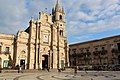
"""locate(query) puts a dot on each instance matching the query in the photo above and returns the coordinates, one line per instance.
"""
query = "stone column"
(29, 43)
(58, 47)
(39, 46)
(36, 37)
(49, 59)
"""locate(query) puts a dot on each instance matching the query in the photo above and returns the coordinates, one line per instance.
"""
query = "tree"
(10, 62)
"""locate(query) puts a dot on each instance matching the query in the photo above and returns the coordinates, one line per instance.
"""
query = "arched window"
(61, 32)
(60, 17)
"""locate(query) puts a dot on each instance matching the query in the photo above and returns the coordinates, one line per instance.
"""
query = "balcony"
(116, 51)
(4, 52)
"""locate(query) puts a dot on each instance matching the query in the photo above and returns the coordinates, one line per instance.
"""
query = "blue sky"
(85, 19)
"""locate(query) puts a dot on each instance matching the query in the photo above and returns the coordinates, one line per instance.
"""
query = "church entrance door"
(22, 63)
(45, 62)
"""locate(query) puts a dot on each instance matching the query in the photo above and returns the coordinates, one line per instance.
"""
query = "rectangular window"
(5, 64)
(45, 38)
(103, 48)
(96, 49)
(7, 50)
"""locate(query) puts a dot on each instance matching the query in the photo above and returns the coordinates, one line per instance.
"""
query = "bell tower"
(58, 13)
(58, 19)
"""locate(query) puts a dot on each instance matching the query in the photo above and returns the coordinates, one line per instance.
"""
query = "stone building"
(44, 43)
(6, 49)
(104, 51)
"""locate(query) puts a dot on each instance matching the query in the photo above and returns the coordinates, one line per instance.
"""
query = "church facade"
(43, 44)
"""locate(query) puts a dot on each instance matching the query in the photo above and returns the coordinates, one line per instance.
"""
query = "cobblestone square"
(64, 75)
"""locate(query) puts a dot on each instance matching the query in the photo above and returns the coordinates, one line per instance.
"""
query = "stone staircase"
(34, 70)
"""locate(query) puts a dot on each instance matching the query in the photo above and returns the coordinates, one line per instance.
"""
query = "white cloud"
(104, 15)
(12, 15)
(97, 15)
(15, 14)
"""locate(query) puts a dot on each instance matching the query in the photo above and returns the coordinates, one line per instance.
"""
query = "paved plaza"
(64, 75)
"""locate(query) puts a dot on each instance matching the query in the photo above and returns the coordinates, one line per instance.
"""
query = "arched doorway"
(0, 62)
(22, 63)
(45, 61)
(22, 59)
(119, 59)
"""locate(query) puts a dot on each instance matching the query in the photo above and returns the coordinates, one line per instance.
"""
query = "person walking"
(21, 69)
(48, 69)
(18, 67)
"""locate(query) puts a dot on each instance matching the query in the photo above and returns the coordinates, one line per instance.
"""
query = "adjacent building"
(42, 45)
(104, 51)
(6, 49)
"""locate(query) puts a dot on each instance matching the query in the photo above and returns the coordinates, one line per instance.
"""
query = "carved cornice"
(4, 52)
(8, 38)
(61, 21)
(22, 42)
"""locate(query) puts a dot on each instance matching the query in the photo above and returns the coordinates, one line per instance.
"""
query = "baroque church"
(42, 45)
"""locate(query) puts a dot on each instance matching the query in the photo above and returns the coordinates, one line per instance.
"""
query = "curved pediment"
(23, 35)
(46, 31)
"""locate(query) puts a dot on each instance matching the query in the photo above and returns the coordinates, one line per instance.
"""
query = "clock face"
(45, 38)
